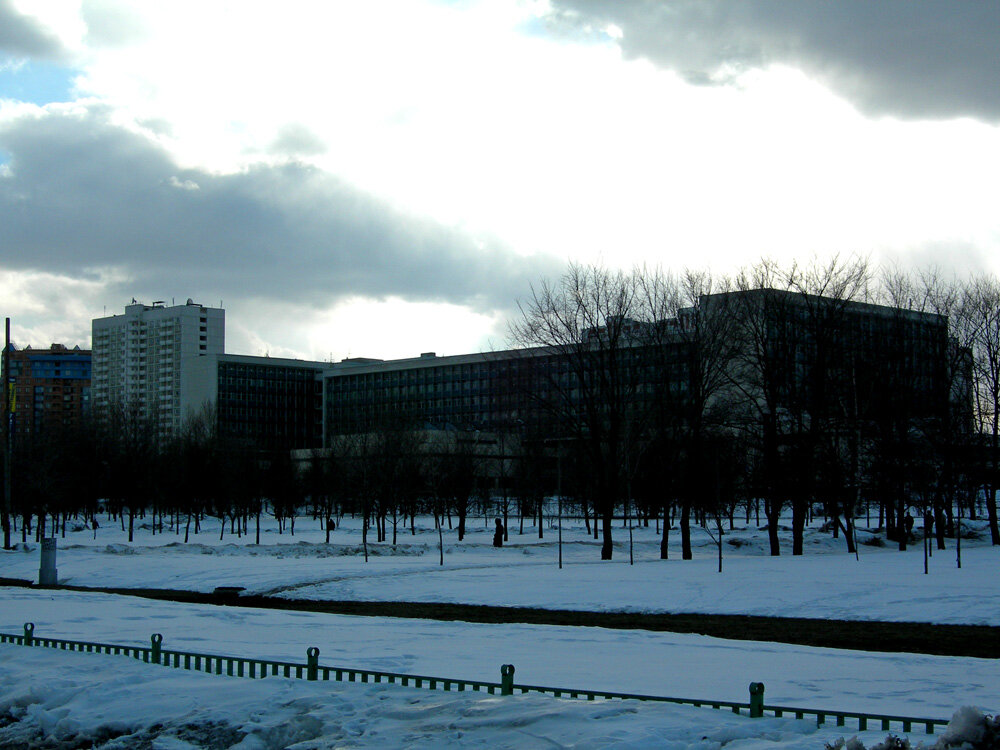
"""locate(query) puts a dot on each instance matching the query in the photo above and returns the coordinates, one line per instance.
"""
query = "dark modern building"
(264, 402)
(800, 336)
(286, 404)
(816, 355)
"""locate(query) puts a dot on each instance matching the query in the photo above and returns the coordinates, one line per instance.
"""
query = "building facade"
(798, 352)
(808, 354)
(50, 388)
(531, 392)
(138, 358)
(170, 361)
(265, 403)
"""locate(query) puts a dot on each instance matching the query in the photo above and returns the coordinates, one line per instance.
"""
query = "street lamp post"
(8, 437)
(559, 490)
(559, 495)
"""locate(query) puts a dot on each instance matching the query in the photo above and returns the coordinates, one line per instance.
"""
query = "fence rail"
(237, 666)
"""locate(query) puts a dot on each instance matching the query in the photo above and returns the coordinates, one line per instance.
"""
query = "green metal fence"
(237, 666)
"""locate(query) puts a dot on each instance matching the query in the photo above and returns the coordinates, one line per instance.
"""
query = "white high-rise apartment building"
(138, 358)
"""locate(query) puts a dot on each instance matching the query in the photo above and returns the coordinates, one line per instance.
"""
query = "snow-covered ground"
(78, 694)
(633, 661)
(826, 582)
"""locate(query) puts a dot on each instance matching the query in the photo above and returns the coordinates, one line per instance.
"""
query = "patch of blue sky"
(545, 28)
(36, 82)
(535, 27)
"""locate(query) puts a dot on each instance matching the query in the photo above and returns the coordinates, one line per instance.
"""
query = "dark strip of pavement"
(862, 635)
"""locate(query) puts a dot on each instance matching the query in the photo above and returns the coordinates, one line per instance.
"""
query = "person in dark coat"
(498, 534)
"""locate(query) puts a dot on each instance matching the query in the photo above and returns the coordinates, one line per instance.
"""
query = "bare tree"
(766, 341)
(824, 293)
(981, 312)
(724, 464)
(912, 350)
(132, 434)
(947, 432)
(689, 345)
(396, 454)
(585, 321)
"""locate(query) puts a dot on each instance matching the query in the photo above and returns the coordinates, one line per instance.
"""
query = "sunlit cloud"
(352, 169)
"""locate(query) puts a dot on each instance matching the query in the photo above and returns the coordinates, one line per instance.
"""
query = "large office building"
(139, 357)
(50, 387)
(171, 361)
(266, 403)
(900, 354)
(504, 390)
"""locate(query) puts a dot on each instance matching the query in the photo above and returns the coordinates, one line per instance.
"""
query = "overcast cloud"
(387, 177)
(21, 36)
(889, 57)
(84, 194)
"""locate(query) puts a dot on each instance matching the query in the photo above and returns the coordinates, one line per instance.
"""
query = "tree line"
(672, 398)
(117, 469)
(782, 388)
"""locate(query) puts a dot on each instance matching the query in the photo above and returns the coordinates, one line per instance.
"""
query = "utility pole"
(8, 437)
(559, 490)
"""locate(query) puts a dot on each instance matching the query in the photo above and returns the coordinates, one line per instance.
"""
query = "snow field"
(826, 582)
(631, 661)
(72, 696)
(61, 694)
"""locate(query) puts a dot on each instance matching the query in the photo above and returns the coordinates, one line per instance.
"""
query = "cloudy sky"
(385, 177)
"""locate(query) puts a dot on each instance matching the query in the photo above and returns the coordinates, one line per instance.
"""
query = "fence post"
(756, 700)
(29, 629)
(154, 655)
(312, 663)
(506, 679)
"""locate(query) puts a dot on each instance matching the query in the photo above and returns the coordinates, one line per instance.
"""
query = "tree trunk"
(686, 553)
(606, 547)
(991, 513)
(848, 532)
(901, 523)
(364, 535)
(665, 539)
(437, 518)
(799, 510)
(772, 514)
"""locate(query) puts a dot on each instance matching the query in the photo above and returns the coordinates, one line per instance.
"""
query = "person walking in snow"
(498, 534)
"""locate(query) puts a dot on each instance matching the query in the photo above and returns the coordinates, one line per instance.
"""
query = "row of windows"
(234, 372)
